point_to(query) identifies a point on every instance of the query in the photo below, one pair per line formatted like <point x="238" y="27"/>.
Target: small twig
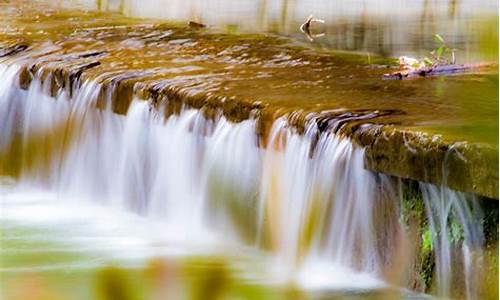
<point x="434" y="70"/>
<point x="306" y="28"/>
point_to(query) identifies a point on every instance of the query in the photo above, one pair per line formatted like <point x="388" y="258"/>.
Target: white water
<point x="446" y="209"/>
<point x="305" y="199"/>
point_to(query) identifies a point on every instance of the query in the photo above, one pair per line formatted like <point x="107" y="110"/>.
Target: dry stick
<point x="433" y="71"/>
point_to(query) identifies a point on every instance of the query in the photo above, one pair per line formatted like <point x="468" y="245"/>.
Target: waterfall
<point x="318" y="201"/>
<point x="450" y="214"/>
<point x="305" y="198"/>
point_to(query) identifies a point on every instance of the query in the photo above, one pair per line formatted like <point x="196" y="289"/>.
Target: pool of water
<point x="55" y="247"/>
<point x="383" y="27"/>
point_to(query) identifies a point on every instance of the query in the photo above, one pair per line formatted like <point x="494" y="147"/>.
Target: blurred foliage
<point x="113" y="283"/>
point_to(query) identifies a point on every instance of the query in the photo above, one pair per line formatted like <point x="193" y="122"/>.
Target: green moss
<point x="455" y="232"/>
<point x="490" y="220"/>
<point x="412" y="206"/>
<point x="427" y="271"/>
<point x="427" y="244"/>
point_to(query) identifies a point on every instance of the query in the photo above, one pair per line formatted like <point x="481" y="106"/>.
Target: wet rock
<point x="25" y="77"/>
<point x="12" y="50"/>
<point x="418" y="156"/>
<point x="196" y="25"/>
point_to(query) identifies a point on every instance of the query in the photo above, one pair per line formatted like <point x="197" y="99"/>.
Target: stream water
<point x="383" y="27"/>
<point x="298" y="217"/>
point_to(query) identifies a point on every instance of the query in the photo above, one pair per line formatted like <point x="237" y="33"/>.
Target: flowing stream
<point x="303" y="203"/>
<point x="384" y="27"/>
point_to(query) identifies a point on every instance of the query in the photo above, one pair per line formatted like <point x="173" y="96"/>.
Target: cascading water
<point x="449" y="215"/>
<point x="305" y="198"/>
<point x="318" y="205"/>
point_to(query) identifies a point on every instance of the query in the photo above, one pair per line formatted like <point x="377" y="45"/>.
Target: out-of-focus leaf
<point x="113" y="284"/>
<point x="438" y="38"/>
<point x="439" y="52"/>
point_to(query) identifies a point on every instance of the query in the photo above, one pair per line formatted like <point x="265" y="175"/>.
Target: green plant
<point x="427" y="237"/>
<point x="443" y="54"/>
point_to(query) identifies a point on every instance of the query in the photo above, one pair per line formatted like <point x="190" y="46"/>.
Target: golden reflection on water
<point x="384" y="27"/>
<point x="251" y="68"/>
